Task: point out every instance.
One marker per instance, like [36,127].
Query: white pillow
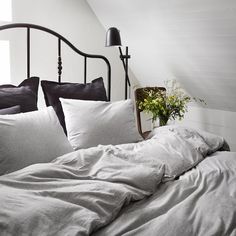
[90,123]
[29,138]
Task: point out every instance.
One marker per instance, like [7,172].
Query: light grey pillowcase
[10,110]
[29,138]
[90,123]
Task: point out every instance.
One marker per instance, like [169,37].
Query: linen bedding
[201,202]
[82,191]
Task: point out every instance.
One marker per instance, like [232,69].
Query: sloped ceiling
[193,41]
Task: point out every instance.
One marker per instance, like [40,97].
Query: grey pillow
[10,110]
[54,90]
[25,95]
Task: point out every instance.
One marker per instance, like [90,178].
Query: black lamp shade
[113,37]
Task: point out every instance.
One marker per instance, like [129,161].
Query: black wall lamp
[113,39]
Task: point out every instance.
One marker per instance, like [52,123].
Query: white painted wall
[192,41]
[76,21]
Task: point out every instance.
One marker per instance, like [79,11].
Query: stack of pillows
[77,116]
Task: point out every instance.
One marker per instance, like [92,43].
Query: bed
[61,173]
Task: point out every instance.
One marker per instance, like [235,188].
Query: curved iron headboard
[60,38]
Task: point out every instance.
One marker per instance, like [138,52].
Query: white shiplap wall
[193,41]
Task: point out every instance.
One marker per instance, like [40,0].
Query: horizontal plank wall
[193,42]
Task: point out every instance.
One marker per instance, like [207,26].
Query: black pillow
[54,90]
[25,95]
[10,110]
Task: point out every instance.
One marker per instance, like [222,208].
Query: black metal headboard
[60,39]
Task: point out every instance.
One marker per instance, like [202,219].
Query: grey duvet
[202,202]
[126,190]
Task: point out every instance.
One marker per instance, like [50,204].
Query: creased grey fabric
[76,194]
[201,202]
[178,148]
[80,192]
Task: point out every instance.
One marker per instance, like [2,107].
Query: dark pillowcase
[10,110]
[25,95]
[53,91]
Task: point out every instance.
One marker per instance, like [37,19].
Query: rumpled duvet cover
[84,191]
[202,202]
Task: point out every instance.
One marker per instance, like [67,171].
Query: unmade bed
[80,167]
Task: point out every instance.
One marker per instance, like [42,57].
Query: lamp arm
[122,57]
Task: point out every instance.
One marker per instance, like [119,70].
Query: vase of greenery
[169,104]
